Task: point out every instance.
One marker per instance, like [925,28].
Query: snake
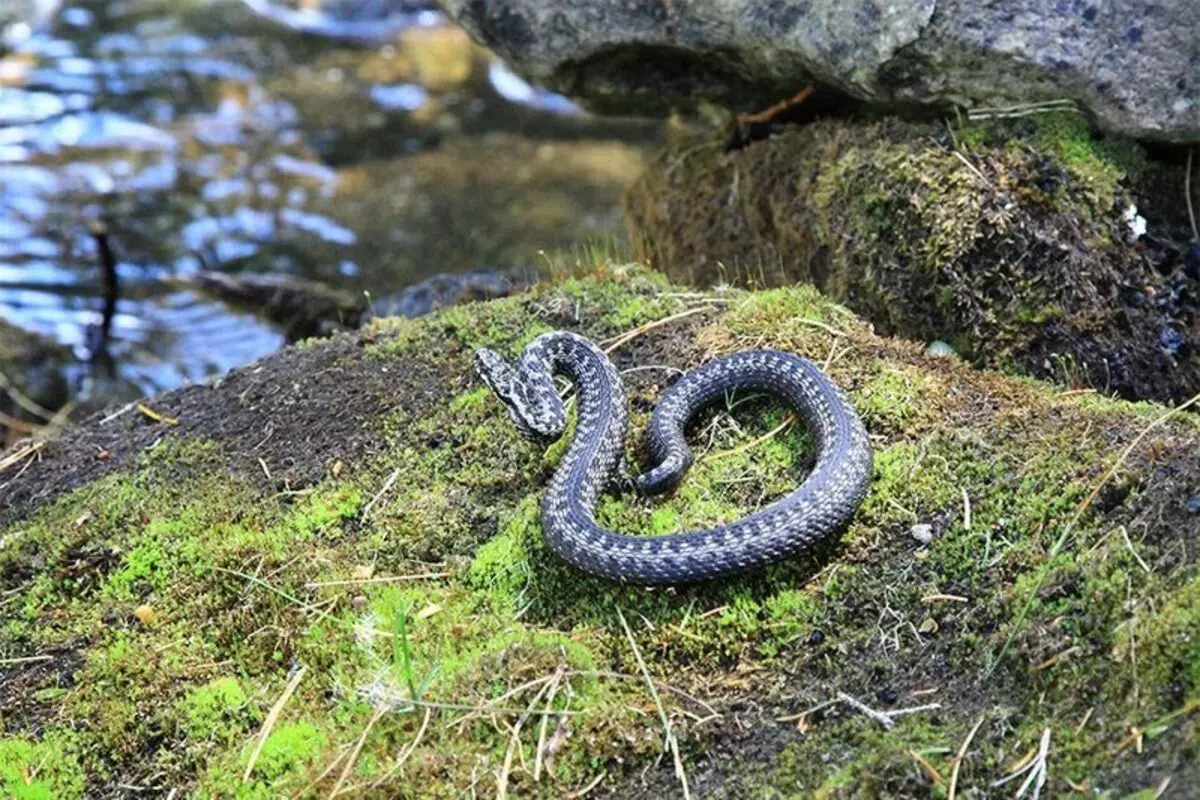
[594,460]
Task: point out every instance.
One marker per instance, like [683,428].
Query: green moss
[1006,237]
[899,398]
[214,709]
[419,575]
[38,770]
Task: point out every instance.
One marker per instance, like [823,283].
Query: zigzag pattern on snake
[816,509]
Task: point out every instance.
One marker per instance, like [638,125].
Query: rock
[19,19]
[33,379]
[939,349]
[304,308]
[944,234]
[1132,66]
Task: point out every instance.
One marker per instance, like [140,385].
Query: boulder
[1134,67]
[1028,244]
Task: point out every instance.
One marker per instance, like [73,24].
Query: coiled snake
[819,506]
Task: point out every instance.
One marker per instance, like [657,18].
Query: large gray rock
[1135,66]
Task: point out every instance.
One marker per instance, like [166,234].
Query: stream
[367,146]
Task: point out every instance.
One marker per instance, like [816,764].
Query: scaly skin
[815,510]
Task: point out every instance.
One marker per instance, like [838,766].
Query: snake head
[531,399]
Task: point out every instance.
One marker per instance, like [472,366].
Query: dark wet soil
[299,412]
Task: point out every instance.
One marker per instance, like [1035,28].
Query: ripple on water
[353,143]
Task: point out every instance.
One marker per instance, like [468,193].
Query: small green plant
[402,658]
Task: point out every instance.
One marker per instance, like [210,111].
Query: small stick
[671,743]
[269,723]
[1187,193]
[23,453]
[962,752]
[386,485]
[948,598]
[883,719]
[384,579]
[358,746]
[4,662]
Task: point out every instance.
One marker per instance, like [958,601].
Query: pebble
[939,349]
[1171,341]
[922,532]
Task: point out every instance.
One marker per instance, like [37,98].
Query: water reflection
[367,145]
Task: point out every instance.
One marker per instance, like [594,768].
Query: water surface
[366,145]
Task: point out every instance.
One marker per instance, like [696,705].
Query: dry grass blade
[541,743]
[624,338]
[150,413]
[929,769]
[1187,193]
[514,742]
[272,717]
[20,455]
[358,746]
[671,742]
[788,420]
[962,753]
[419,576]
[402,758]
[1157,422]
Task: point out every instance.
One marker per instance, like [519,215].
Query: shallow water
[367,150]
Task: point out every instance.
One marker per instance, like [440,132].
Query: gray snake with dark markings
[815,510]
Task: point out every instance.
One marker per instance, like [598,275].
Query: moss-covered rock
[327,571]
[1013,240]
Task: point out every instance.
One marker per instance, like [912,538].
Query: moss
[213,709]
[414,588]
[38,770]
[1007,238]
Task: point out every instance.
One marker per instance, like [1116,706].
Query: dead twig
[1187,193]
[272,717]
[386,485]
[358,746]
[8,662]
[20,455]
[671,743]
[962,752]
[419,576]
